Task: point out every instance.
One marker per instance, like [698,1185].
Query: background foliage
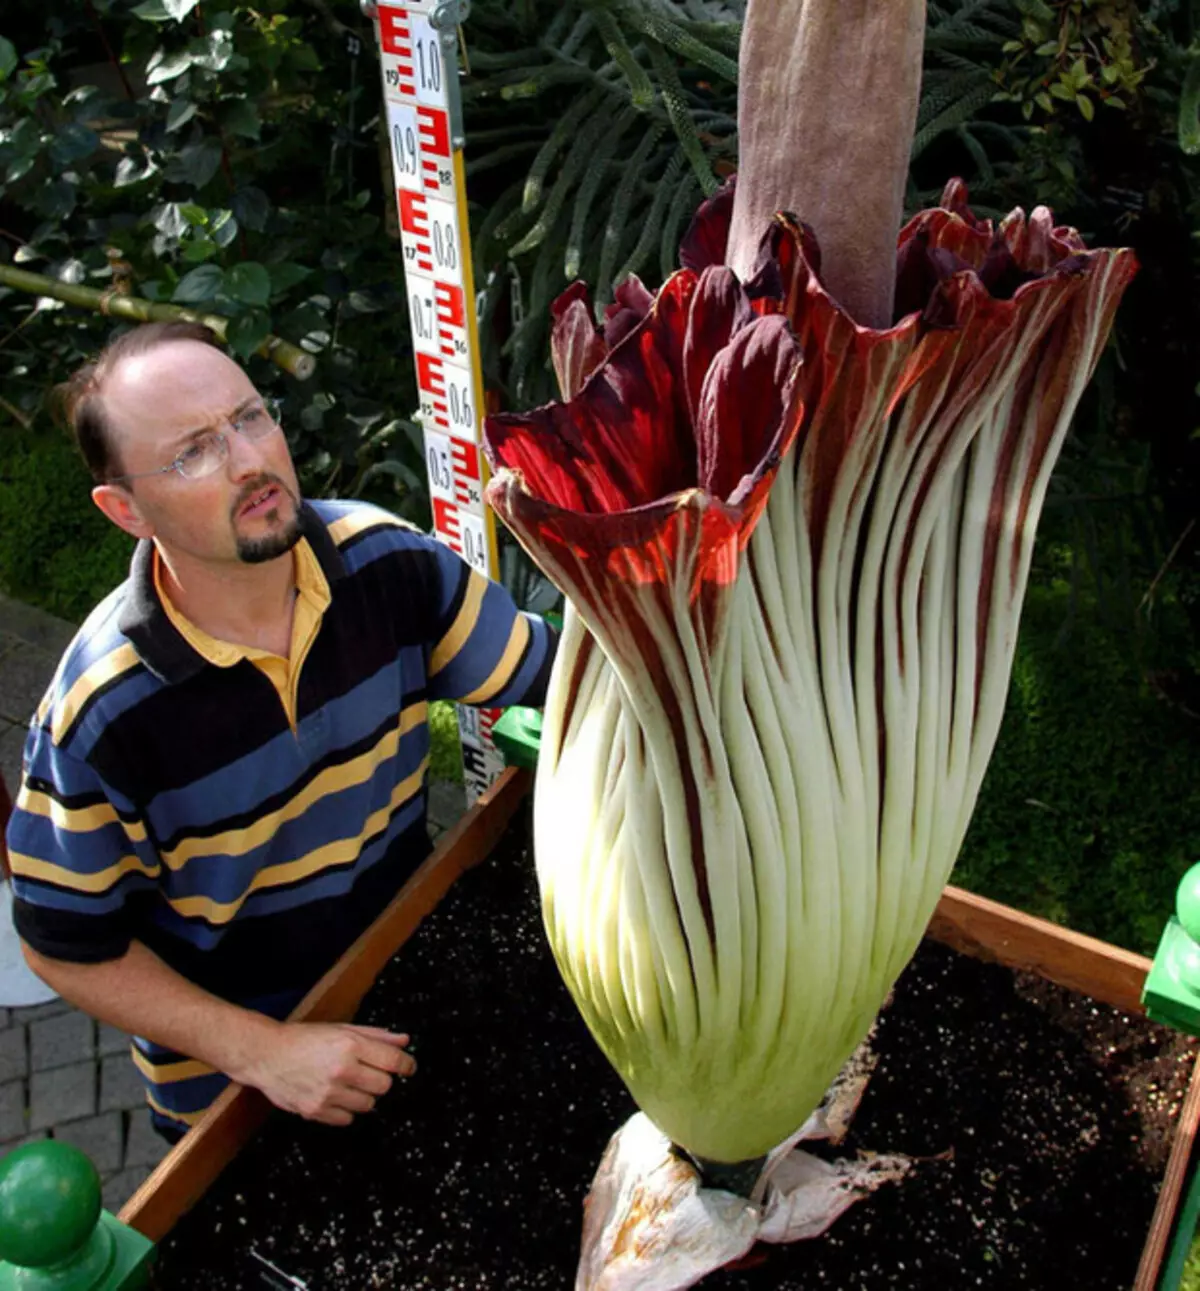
[226,154]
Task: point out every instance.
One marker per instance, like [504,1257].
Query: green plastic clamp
[1172,991]
[54,1234]
[1172,996]
[518,735]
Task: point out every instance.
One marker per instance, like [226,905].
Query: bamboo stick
[289,357]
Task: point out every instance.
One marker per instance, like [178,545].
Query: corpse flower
[792,504]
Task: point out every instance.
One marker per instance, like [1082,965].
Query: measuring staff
[418,55]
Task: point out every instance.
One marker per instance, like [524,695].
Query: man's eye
[193,454]
[253,416]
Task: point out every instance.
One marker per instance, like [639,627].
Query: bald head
[86,400]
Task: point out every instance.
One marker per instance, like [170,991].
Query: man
[225,781]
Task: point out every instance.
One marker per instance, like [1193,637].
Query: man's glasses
[209,451]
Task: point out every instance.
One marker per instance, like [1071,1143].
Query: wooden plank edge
[187,1171]
[1170,1194]
[990,931]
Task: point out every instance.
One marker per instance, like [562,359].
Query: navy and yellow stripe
[245,840]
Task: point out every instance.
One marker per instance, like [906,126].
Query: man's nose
[246,456]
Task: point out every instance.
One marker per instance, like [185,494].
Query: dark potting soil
[1043,1121]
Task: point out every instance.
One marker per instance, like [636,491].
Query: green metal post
[1172,991]
[54,1234]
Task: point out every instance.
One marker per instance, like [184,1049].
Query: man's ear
[122,509]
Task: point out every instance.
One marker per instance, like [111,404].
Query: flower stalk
[828,94]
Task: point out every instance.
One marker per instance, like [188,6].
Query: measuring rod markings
[419,74]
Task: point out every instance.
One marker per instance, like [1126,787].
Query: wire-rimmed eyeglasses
[209,450]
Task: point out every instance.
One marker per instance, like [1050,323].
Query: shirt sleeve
[80,858]
[484,650]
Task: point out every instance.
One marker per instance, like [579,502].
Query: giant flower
[792,506]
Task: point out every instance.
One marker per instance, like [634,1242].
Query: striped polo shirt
[245,826]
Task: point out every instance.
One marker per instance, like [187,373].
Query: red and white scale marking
[436,271]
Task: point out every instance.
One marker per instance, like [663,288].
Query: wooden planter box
[968,924]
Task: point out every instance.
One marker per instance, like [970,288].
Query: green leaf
[249,282]
[224,228]
[1086,107]
[1189,110]
[56,201]
[168,219]
[286,275]
[18,168]
[241,118]
[199,285]
[8,58]
[152,11]
[248,331]
[195,164]
[26,138]
[73,143]
[199,249]
[166,67]
[179,113]
[195,215]
[132,170]
[251,206]
[213,52]
[179,9]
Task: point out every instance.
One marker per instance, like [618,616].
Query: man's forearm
[142,995]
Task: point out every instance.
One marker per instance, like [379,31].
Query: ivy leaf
[8,58]
[199,249]
[224,228]
[251,206]
[168,219]
[248,331]
[249,283]
[241,118]
[72,143]
[18,168]
[152,11]
[26,138]
[214,51]
[55,201]
[286,275]
[195,164]
[398,471]
[166,67]
[199,284]
[179,113]
[132,170]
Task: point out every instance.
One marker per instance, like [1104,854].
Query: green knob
[1187,902]
[49,1204]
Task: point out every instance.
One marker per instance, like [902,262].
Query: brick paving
[63,1075]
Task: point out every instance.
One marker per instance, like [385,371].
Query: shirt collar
[159,643]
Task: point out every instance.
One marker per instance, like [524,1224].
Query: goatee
[256,551]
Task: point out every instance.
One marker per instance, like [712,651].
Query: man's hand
[328,1072]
